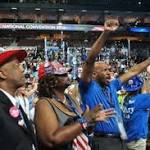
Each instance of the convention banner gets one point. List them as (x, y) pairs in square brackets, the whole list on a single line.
[(40, 26)]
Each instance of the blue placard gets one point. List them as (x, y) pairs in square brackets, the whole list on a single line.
[(139, 29)]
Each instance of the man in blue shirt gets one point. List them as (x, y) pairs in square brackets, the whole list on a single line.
[(135, 110), (96, 88)]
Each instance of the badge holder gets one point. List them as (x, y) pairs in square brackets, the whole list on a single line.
[(122, 131)]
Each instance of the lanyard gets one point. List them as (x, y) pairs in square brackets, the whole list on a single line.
[(71, 104), (108, 96)]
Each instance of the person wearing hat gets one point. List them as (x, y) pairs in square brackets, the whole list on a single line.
[(59, 120), (16, 132), (97, 87), (135, 113)]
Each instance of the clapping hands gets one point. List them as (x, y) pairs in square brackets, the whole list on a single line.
[(98, 114)]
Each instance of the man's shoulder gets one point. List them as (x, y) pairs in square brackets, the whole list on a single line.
[(87, 84), (116, 83), (143, 96), (115, 80)]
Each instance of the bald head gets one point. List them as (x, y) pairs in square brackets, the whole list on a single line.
[(100, 65), (101, 73)]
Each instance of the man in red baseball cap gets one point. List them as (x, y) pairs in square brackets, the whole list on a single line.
[(16, 132), (5, 55)]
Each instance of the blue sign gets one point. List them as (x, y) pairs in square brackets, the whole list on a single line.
[(139, 29)]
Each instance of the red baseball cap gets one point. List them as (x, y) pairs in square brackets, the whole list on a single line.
[(7, 54), (53, 67)]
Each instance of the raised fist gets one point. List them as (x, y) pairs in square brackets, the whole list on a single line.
[(111, 25)]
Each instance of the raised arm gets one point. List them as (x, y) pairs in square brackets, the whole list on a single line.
[(48, 128), (135, 70), (110, 25), (146, 86)]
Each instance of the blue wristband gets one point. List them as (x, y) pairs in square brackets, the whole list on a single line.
[(84, 123)]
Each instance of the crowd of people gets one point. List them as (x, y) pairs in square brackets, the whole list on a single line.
[(44, 107)]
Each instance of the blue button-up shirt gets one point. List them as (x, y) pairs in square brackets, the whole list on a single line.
[(93, 94)]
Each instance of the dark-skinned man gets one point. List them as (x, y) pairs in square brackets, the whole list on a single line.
[(96, 88)]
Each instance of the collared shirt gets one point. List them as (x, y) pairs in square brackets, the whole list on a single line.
[(14, 101), (93, 94), (24, 102)]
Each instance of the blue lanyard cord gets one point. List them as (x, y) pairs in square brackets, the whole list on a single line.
[(108, 95), (71, 105), (82, 120)]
